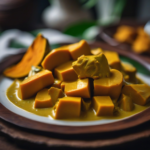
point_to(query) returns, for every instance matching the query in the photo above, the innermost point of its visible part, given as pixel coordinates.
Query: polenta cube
(43, 99)
(78, 88)
(65, 72)
(67, 107)
(55, 93)
(126, 103)
(113, 59)
(35, 83)
(78, 49)
(140, 93)
(109, 86)
(103, 105)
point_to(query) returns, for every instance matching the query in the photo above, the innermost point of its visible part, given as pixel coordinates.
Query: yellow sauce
(13, 96)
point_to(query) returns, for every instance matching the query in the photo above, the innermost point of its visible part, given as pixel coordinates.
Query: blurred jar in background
(63, 13)
(17, 13)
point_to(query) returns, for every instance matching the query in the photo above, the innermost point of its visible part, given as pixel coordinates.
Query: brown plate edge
(20, 121)
(140, 118)
(57, 142)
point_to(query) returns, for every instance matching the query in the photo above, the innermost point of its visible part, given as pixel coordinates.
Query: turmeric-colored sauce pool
(27, 105)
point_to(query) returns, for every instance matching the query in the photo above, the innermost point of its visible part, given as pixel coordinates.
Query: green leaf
(78, 29)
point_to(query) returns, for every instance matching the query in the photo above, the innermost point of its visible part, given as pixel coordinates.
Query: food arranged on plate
(75, 82)
(136, 37)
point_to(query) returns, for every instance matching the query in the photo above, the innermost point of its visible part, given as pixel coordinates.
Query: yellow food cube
(65, 72)
(113, 59)
(140, 93)
(67, 107)
(43, 99)
(103, 105)
(79, 88)
(35, 83)
(126, 103)
(130, 71)
(55, 93)
(110, 86)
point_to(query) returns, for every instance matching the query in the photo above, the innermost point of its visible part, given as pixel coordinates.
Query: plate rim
(127, 123)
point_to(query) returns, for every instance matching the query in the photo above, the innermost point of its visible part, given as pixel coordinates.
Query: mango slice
(57, 83)
(103, 105)
(33, 57)
(55, 58)
(94, 66)
(113, 59)
(126, 103)
(67, 107)
(43, 99)
(65, 72)
(55, 93)
(110, 86)
(140, 93)
(35, 83)
(79, 88)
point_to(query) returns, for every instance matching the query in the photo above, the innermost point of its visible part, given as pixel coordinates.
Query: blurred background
(61, 14)
(67, 21)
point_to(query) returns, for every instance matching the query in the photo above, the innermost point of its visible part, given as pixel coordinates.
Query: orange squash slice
(33, 57)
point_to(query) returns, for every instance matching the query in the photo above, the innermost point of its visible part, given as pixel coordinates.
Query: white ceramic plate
(6, 82)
